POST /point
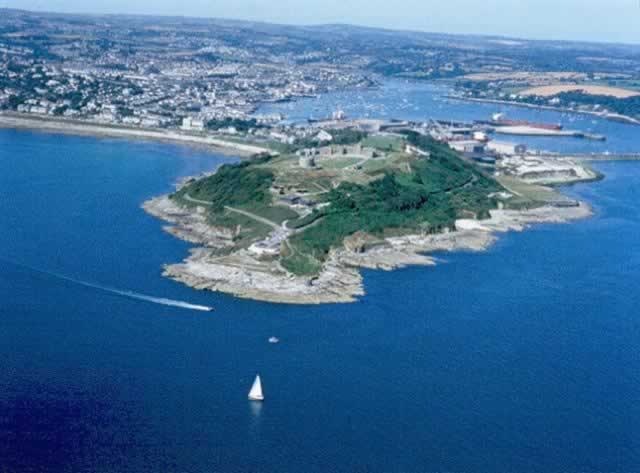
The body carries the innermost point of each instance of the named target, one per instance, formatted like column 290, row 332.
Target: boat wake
column 117, row 292
column 146, row 298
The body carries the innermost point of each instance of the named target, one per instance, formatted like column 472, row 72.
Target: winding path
column 187, row 197
column 253, row 216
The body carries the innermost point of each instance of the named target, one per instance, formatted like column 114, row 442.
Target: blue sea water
column 524, row 358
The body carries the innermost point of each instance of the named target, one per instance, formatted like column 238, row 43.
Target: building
column 150, row 122
column 192, row 124
column 323, row 136
column 333, row 151
column 468, row 147
column 265, row 248
column 480, row 136
column 416, row 151
column 307, row 161
column 510, row 149
column 339, row 115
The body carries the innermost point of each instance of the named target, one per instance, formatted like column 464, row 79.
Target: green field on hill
column 399, row 194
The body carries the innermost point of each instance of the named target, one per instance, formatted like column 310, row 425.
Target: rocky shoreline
column 244, row 275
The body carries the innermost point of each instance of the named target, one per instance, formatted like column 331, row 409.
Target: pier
column 594, row 156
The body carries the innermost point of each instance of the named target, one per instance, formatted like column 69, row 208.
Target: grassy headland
column 391, row 192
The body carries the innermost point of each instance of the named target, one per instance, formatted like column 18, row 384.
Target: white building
column 192, row 124
column 262, row 248
column 323, row 136
column 339, row 115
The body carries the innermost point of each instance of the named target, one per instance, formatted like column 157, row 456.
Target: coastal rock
column 246, row 277
column 242, row 274
column 188, row 225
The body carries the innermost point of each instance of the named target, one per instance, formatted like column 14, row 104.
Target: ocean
column 524, row 358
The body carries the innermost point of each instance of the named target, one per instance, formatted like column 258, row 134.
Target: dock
column 534, row 131
column 594, row 156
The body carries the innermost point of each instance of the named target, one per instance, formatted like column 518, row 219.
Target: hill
column 379, row 193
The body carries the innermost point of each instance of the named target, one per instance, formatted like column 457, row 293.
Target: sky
column 593, row 20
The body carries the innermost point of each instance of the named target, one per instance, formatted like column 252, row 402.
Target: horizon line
column 326, row 24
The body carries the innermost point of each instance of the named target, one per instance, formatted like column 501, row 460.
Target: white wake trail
column 158, row 300
column 118, row 292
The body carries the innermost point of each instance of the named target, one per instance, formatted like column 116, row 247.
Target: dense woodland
column 232, row 184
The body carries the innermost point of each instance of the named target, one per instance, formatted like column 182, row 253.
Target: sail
column 256, row 390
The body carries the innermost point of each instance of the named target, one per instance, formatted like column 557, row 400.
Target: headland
column 298, row 228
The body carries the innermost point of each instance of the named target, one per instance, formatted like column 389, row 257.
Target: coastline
column 608, row 116
column 340, row 281
column 244, row 275
column 82, row 128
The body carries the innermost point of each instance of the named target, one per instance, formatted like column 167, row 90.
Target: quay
column 594, row 156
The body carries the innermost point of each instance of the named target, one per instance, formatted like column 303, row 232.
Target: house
column 323, row 136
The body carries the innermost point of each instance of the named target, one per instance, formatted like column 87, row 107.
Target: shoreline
column 609, row 116
column 243, row 275
column 97, row 130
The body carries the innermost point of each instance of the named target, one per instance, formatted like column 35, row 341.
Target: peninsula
column 296, row 228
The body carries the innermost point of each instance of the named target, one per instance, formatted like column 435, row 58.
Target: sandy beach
column 98, row 130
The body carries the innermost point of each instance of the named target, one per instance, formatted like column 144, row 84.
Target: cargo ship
column 498, row 120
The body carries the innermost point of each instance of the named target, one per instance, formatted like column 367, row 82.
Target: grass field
column 339, row 163
column 530, row 77
column 625, row 84
column 529, row 194
column 275, row 213
column 393, row 195
column 551, row 90
column 250, row 229
column 384, row 143
column 373, row 166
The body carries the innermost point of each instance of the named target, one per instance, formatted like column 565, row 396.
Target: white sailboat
column 256, row 390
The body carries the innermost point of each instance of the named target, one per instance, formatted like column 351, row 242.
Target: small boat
column 256, row 390
column 274, row 340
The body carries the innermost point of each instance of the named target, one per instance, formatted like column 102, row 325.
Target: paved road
column 197, row 201
column 258, row 218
